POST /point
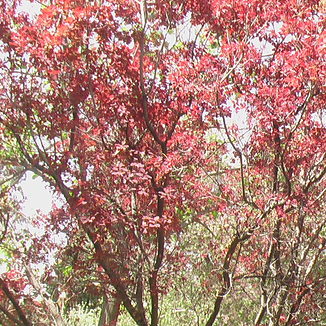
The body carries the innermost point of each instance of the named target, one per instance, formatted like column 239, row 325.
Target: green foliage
column 177, row 309
column 81, row 315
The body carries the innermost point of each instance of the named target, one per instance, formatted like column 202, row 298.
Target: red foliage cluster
column 132, row 127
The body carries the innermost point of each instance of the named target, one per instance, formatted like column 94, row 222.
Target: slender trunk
column 264, row 296
column 158, row 263
column 295, row 306
column 280, row 305
column 11, row 317
column 117, row 283
column 20, row 312
column 227, row 281
column 51, row 307
column 110, row 311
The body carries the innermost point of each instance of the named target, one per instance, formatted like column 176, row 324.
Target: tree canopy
column 187, row 141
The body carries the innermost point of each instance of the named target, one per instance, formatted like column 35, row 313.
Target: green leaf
column 34, row 176
column 67, row 270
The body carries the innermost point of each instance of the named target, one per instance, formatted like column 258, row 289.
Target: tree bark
column 110, row 311
column 10, row 296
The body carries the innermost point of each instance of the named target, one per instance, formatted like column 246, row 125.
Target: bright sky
column 31, row 8
column 38, row 196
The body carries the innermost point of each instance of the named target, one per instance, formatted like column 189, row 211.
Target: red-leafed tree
column 153, row 117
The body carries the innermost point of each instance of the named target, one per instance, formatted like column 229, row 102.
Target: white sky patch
column 38, row 196
column 265, row 47
column 30, row 8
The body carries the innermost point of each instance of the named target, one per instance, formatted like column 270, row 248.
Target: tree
column 127, row 116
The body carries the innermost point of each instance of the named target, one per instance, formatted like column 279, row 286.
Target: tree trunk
column 110, row 311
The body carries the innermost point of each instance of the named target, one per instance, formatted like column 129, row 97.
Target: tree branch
column 21, row 314
column 11, row 316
